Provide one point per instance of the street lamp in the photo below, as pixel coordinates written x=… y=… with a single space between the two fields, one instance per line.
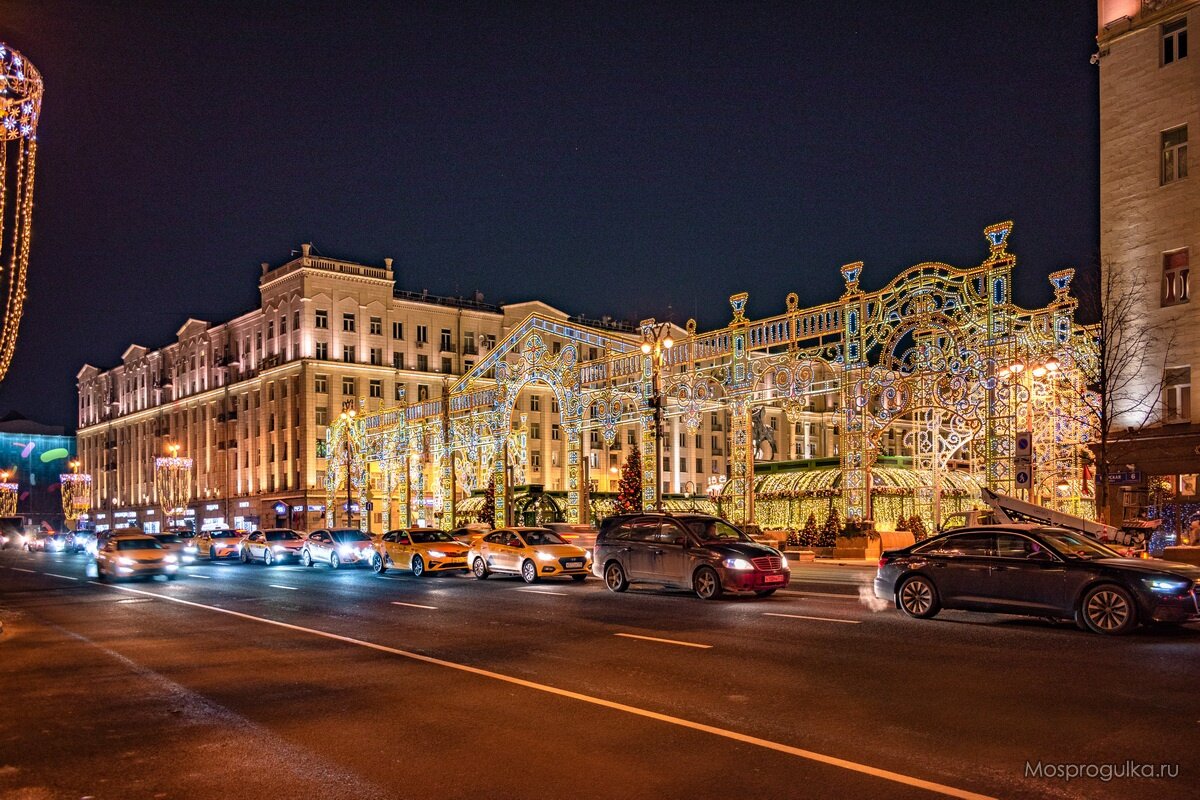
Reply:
x=347 y=417
x=656 y=341
x=1037 y=370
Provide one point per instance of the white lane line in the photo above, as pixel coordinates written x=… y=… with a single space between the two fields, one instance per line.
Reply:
x=64 y=577
x=817 y=594
x=413 y=605
x=544 y=591
x=281 y=586
x=818 y=619
x=664 y=641
x=198 y=575
x=22 y=569
x=767 y=744
x=389 y=578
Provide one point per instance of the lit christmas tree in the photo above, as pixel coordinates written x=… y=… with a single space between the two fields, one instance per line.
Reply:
x=488 y=512
x=629 y=493
x=808 y=536
x=829 y=533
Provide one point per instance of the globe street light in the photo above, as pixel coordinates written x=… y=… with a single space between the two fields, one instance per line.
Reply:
x=656 y=341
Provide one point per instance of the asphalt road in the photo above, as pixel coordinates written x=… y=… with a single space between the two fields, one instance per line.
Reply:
x=250 y=682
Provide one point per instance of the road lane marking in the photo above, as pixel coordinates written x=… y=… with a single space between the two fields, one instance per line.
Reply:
x=413 y=605
x=784 y=592
x=767 y=744
x=819 y=619
x=64 y=577
x=281 y=586
x=545 y=591
x=198 y=575
x=664 y=641
x=22 y=569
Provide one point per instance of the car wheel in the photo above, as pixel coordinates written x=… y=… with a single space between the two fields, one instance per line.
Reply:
x=707 y=584
x=268 y=557
x=377 y=565
x=917 y=598
x=529 y=571
x=334 y=561
x=172 y=576
x=212 y=554
x=305 y=558
x=244 y=555
x=614 y=577
x=480 y=569
x=579 y=578
x=764 y=592
x=1107 y=609
x=100 y=574
x=417 y=566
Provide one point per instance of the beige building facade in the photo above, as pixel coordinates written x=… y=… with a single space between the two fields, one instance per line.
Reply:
x=1150 y=230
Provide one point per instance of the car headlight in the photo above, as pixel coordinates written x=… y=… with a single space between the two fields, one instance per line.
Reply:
x=545 y=557
x=1167 y=585
x=783 y=562
x=436 y=554
x=737 y=563
x=171 y=558
x=345 y=550
x=190 y=548
x=588 y=553
x=125 y=561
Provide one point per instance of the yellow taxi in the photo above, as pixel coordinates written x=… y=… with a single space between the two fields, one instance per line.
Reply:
x=420 y=550
x=130 y=555
x=532 y=553
x=219 y=543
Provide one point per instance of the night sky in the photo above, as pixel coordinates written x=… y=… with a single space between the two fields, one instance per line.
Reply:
x=628 y=159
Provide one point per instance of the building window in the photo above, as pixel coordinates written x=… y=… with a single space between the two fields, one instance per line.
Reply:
x=447 y=365
x=271 y=391
x=283 y=325
x=348 y=353
x=322 y=319
x=348 y=387
x=423 y=363
x=699 y=465
x=322 y=415
x=1174 y=154
x=296 y=320
x=535 y=430
x=397 y=330
x=447 y=345
x=1175 y=285
x=399 y=392
x=422 y=334
x=535 y=403
x=321 y=384
x=323 y=351
x=376 y=388
x=467 y=365
x=422 y=392
x=1177 y=394
x=554 y=433
x=376 y=326
x=397 y=360
x=469 y=343
x=535 y=461
x=271 y=329
x=1174 y=41
x=377 y=356
x=631 y=438
x=348 y=323
x=554 y=406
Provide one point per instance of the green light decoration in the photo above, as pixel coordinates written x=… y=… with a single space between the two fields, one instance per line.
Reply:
x=57 y=454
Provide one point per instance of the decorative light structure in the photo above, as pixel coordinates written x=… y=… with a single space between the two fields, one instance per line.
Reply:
x=173 y=481
x=75 y=489
x=20 y=108
x=8 y=495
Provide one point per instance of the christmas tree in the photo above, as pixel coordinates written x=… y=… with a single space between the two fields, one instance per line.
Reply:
x=916 y=524
x=831 y=529
x=808 y=537
x=488 y=512
x=629 y=493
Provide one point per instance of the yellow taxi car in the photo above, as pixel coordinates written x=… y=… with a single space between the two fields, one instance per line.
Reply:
x=532 y=553
x=132 y=555
x=420 y=550
x=219 y=543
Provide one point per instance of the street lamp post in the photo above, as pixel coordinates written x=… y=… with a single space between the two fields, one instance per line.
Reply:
x=656 y=341
x=347 y=418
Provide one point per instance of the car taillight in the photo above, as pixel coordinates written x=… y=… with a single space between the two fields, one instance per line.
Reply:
x=883 y=561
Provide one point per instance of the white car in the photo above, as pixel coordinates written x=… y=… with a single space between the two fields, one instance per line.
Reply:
x=338 y=547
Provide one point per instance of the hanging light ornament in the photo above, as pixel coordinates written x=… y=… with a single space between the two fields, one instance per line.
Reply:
x=8 y=495
x=20 y=107
x=76 y=491
x=173 y=481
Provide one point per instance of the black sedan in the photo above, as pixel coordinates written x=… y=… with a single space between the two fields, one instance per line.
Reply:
x=1037 y=571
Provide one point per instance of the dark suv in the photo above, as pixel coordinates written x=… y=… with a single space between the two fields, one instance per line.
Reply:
x=688 y=551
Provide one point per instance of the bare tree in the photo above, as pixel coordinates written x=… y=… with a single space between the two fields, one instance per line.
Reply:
x=1127 y=372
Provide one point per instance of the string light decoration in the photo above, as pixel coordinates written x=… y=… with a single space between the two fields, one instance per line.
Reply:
x=75 y=489
x=909 y=390
x=8 y=495
x=20 y=109
x=173 y=481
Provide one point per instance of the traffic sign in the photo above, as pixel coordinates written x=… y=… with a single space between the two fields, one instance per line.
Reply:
x=1023 y=476
x=370 y=505
x=1024 y=444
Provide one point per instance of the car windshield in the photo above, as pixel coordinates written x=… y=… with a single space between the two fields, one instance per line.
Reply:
x=169 y=538
x=226 y=535
x=425 y=536
x=138 y=544
x=541 y=536
x=347 y=536
x=715 y=530
x=281 y=536
x=1076 y=545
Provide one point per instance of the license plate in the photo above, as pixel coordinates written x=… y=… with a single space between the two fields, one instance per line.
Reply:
x=575 y=563
x=772 y=579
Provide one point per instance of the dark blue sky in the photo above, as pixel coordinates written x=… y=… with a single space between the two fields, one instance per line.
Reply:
x=606 y=158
